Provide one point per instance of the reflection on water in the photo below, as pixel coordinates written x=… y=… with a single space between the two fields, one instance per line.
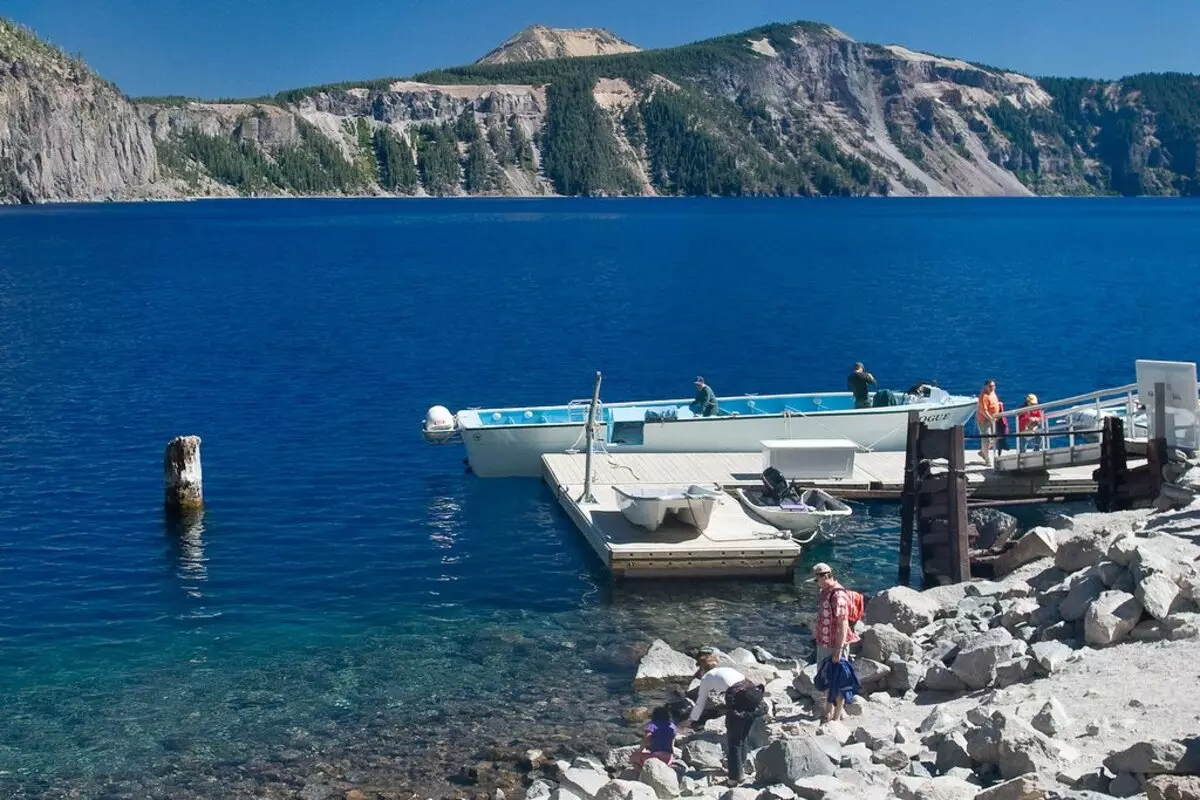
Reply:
x=185 y=537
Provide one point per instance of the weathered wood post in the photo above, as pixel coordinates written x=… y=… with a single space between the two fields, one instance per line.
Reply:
x=182 y=477
x=908 y=505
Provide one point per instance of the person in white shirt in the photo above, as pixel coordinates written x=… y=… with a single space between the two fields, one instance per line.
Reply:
x=743 y=704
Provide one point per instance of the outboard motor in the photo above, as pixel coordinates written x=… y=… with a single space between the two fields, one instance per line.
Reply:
x=440 y=425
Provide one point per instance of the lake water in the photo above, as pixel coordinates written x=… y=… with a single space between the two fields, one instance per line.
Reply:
x=354 y=607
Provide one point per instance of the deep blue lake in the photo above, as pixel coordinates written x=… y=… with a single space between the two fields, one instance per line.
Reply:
x=353 y=598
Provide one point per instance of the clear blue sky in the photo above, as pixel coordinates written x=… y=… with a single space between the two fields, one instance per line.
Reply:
x=237 y=48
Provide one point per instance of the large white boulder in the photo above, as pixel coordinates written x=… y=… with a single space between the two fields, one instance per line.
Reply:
x=1111 y=618
x=905 y=609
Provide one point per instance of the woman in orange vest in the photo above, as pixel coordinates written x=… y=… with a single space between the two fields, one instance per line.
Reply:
x=986 y=413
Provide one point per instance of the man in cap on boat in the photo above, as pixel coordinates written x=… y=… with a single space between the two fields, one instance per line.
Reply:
x=833 y=636
x=858 y=382
x=705 y=403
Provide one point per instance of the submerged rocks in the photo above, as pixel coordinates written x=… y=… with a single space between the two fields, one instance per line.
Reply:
x=662 y=664
x=1111 y=618
x=903 y=608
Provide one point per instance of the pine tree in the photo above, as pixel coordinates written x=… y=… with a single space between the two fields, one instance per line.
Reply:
x=397 y=171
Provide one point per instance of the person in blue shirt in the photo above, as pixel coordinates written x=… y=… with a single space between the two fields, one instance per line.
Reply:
x=705 y=403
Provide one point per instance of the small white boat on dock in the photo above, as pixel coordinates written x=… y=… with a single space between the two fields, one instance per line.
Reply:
x=648 y=506
x=507 y=442
x=806 y=514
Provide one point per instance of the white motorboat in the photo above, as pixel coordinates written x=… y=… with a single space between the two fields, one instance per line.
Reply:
x=648 y=506
x=505 y=442
x=805 y=514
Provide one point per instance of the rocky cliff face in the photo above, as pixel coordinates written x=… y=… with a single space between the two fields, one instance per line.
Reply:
x=782 y=110
x=539 y=43
x=64 y=133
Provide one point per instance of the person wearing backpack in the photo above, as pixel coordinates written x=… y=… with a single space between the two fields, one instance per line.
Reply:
x=837 y=609
x=744 y=703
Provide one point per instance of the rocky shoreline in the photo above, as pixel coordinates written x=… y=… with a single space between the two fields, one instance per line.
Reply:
x=1069 y=675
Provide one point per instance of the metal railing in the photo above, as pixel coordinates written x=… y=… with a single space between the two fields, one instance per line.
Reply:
x=1070 y=424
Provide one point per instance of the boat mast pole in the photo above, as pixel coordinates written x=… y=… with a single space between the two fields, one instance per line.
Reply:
x=587 y=497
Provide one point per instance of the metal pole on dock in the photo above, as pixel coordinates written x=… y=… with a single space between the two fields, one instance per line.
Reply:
x=587 y=497
x=182 y=477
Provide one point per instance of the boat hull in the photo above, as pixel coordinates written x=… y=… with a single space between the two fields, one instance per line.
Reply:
x=794 y=521
x=517 y=450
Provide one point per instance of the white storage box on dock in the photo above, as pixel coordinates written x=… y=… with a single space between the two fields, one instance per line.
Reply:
x=810 y=459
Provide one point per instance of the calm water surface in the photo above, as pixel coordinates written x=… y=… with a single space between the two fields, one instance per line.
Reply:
x=352 y=598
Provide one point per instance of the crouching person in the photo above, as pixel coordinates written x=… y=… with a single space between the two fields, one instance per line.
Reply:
x=744 y=703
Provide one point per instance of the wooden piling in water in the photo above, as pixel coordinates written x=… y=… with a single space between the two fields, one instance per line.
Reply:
x=182 y=477
x=934 y=509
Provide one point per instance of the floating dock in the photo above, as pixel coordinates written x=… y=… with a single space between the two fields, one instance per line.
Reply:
x=736 y=544
x=733 y=544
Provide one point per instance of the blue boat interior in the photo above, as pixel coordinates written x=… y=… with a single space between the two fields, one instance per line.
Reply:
x=620 y=414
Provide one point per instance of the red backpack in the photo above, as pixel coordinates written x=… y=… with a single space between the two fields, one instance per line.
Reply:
x=854 y=600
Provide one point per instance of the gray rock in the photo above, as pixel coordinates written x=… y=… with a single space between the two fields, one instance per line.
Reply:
x=804 y=683
x=882 y=642
x=787 y=761
x=1035 y=544
x=587 y=762
x=836 y=730
x=1183 y=626
x=1052 y=719
x=976 y=663
x=539 y=790
x=1018 y=612
x=995 y=528
x=1088 y=780
x=904 y=676
x=952 y=752
x=943 y=787
x=1082 y=594
x=661 y=778
x=1015 y=746
x=585 y=782
x=940 y=679
x=1173 y=787
x=829 y=746
x=1163 y=553
x=855 y=754
x=1159 y=594
x=1124 y=785
x=1025 y=787
x=1016 y=589
x=1110 y=619
x=1051 y=655
x=1017 y=670
x=625 y=790
x=739 y=793
x=947 y=597
x=1110 y=572
x=1057 y=632
x=1156 y=757
x=1122 y=550
x=1080 y=551
x=984 y=589
x=893 y=757
x=916 y=769
x=819 y=787
x=662 y=665
x=901 y=607
x=875 y=733
x=1149 y=630
x=940 y=720
x=778 y=792
x=871 y=674
x=703 y=754
x=563 y=793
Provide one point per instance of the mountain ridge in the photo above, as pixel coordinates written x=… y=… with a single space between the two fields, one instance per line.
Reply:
x=542 y=43
x=783 y=109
